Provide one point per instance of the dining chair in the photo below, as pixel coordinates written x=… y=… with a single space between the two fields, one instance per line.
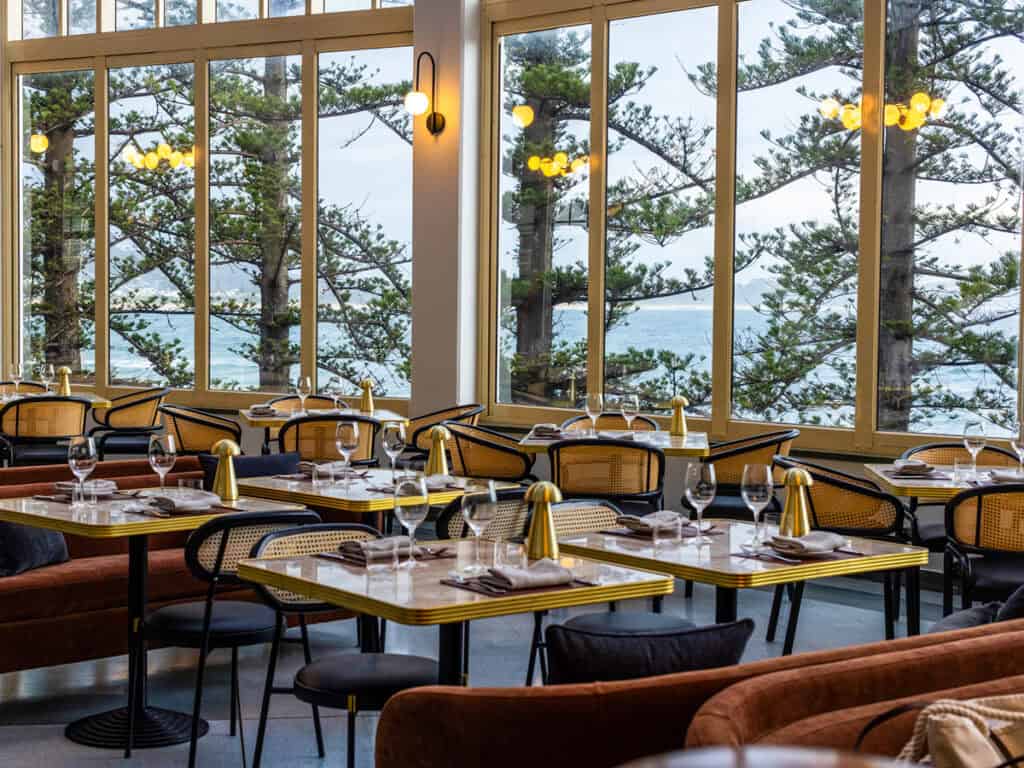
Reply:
x=313 y=438
x=24 y=387
x=354 y=682
x=481 y=452
x=628 y=473
x=35 y=430
x=291 y=404
x=212 y=553
x=850 y=506
x=197 y=431
x=610 y=420
x=127 y=425
x=418 y=429
x=984 y=544
x=931 y=533
x=510 y=522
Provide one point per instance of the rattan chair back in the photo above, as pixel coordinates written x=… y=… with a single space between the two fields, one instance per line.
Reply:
x=419 y=427
x=481 y=452
x=46 y=417
x=313 y=437
x=989 y=518
x=610 y=420
x=136 y=410
x=292 y=403
x=510 y=521
x=576 y=516
x=607 y=469
x=945 y=454
x=197 y=431
x=731 y=456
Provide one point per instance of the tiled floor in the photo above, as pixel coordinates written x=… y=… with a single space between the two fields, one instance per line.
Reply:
x=35 y=705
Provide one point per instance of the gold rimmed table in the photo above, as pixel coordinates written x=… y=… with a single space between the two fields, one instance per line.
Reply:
x=98 y=402
x=719 y=565
x=263 y=421
x=692 y=445
x=152 y=726
x=939 y=489
x=417 y=597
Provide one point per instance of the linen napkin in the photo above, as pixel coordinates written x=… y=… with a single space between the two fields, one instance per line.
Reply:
x=375 y=550
x=543 y=573
x=262 y=409
x=665 y=520
x=814 y=543
x=1006 y=476
x=101 y=487
x=547 y=431
x=617 y=435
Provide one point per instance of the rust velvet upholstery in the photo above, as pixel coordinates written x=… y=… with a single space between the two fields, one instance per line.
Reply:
x=601 y=725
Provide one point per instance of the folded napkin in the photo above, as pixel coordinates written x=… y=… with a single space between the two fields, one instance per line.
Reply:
x=192 y=501
x=99 y=487
x=265 y=409
x=814 y=543
x=617 y=435
x=543 y=573
x=375 y=550
x=547 y=431
x=666 y=520
x=1006 y=476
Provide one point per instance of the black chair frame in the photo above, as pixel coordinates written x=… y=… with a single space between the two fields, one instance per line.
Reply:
x=583 y=417
x=373 y=424
x=103 y=430
x=9 y=443
x=527 y=459
x=265 y=448
x=651 y=498
x=204 y=418
x=473 y=410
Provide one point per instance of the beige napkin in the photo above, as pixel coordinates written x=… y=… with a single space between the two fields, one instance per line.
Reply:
x=543 y=573
x=194 y=501
x=814 y=543
x=665 y=520
x=617 y=435
x=375 y=550
x=1006 y=476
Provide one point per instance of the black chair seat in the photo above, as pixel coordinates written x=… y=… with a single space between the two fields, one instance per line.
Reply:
x=372 y=678
x=996 y=577
x=627 y=623
x=233 y=623
x=40 y=454
x=932 y=534
x=133 y=444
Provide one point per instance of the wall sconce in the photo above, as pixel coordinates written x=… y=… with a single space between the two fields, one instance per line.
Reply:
x=417 y=102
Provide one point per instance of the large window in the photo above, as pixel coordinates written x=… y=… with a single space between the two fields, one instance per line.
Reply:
x=152 y=226
x=255 y=232
x=951 y=203
x=56 y=146
x=659 y=254
x=364 y=237
x=542 y=233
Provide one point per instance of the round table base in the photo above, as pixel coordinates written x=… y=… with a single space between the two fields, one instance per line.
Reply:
x=156 y=728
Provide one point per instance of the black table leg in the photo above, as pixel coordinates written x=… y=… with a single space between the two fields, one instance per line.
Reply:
x=913 y=601
x=453 y=668
x=149 y=726
x=369 y=634
x=725 y=605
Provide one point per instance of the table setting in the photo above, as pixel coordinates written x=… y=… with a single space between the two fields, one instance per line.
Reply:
x=793 y=550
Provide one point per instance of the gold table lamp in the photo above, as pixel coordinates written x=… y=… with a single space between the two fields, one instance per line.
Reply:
x=437 y=461
x=64 y=381
x=225 y=484
x=796 y=515
x=678 y=426
x=541 y=541
x=366 y=400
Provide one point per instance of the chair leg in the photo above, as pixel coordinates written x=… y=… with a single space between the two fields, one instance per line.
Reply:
x=796 y=598
x=316 y=710
x=966 y=599
x=268 y=688
x=897 y=588
x=234 y=686
x=612 y=607
x=383 y=634
x=890 y=613
x=236 y=698
x=773 y=618
x=351 y=759
x=947 y=584
x=534 y=646
x=204 y=650
x=688 y=589
x=658 y=604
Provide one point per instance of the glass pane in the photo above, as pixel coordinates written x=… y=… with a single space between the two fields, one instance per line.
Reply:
x=255 y=237
x=236 y=10
x=39 y=18
x=951 y=202
x=135 y=14
x=364 y=271
x=57 y=226
x=332 y=6
x=797 y=208
x=659 y=254
x=542 y=229
x=82 y=17
x=177 y=12
x=152 y=226
x=287 y=7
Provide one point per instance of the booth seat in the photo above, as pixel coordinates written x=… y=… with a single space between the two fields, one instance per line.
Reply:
x=808 y=698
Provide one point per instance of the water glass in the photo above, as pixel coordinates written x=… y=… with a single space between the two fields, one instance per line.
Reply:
x=667 y=535
x=479 y=508
x=16 y=375
x=701 y=487
x=629 y=405
x=346 y=439
x=594 y=407
x=757 y=489
x=962 y=471
x=382 y=565
x=323 y=474
x=47 y=375
x=163 y=453
x=82 y=459
x=304 y=388
x=411 y=507
x=393 y=440
x=974 y=441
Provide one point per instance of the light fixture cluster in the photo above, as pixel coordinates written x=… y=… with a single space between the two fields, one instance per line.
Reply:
x=908 y=117
x=557 y=165
x=164 y=153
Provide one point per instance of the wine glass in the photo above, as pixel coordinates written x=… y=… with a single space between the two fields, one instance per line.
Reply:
x=303 y=388
x=162 y=454
x=411 y=507
x=757 y=490
x=16 y=376
x=594 y=406
x=479 y=506
x=82 y=458
x=1017 y=443
x=47 y=375
x=337 y=393
x=393 y=441
x=629 y=405
x=974 y=442
x=700 y=492
x=346 y=439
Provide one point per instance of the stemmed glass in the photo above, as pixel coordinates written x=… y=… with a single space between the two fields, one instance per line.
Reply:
x=82 y=460
x=393 y=440
x=974 y=442
x=1017 y=443
x=47 y=375
x=303 y=388
x=162 y=454
x=700 y=492
x=337 y=393
x=411 y=508
x=629 y=405
x=346 y=439
x=479 y=506
x=16 y=376
x=594 y=406
x=757 y=489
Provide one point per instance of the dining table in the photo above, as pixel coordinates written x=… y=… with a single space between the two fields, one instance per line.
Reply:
x=431 y=595
x=280 y=418
x=936 y=487
x=729 y=564
x=690 y=445
x=106 y=519
x=97 y=402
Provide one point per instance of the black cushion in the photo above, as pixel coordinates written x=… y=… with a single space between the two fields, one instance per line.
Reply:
x=135 y=444
x=584 y=657
x=1013 y=608
x=997 y=575
x=251 y=466
x=234 y=623
x=969 y=617
x=372 y=678
x=23 y=548
x=627 y=622
x=27 y=455
x=932 y=534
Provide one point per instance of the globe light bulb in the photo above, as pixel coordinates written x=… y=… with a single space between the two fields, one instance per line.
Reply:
x=938 y=106
x=829 y=108
x=38 y=143
x=163 y=150
x=138 y=161
x=522 y=115
x=548 y=167
x=152 y=160
x=561 y=159
x=189 y=159
x=850 y=117
x=911 y=120
x=416 y=102
x=892 y=114
x=533 y=163
x=175 y=159
x=577 y=164
x=920 y=102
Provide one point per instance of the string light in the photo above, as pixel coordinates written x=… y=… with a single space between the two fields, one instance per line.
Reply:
x=908 y=117
x=557 y=165
x=164 y=153
x=522 y=115
x=38 y=143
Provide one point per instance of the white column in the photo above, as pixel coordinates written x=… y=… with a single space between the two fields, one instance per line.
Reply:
x=445 y=210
